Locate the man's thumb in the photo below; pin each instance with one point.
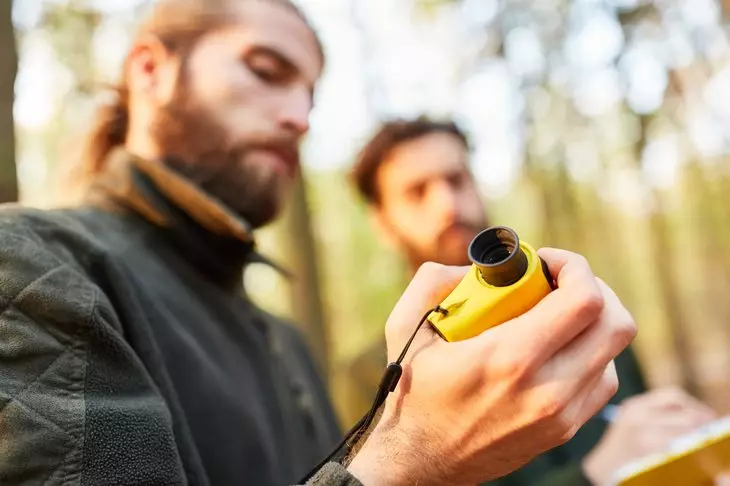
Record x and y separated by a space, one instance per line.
431 284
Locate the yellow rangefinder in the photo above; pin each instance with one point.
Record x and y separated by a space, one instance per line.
507 278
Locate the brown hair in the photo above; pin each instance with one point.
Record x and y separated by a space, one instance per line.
390 135
178 24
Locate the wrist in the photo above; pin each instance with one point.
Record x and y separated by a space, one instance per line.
375 463
386 458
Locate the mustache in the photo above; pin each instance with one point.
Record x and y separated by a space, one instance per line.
457 225
287 146
213 163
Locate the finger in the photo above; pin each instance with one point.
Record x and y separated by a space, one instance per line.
669 402
674 424
597 394
566 267
723 479
564 313
431 284
700 412
588 355
675 399
588 402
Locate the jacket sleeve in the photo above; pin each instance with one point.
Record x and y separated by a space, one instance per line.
333 474
76 406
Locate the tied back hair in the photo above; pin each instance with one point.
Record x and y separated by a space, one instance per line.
178 24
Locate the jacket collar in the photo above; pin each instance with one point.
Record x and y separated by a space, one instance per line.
209 234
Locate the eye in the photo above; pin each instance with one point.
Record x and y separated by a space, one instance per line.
458 180
416 192
268 69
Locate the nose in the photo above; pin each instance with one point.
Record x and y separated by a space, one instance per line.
445 202
295 112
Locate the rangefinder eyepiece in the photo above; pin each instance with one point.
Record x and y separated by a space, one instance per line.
497 254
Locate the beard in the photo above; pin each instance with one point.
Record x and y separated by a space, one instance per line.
200 150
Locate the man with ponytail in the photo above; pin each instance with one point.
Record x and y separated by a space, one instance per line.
130 354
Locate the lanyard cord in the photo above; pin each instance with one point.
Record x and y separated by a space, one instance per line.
388 383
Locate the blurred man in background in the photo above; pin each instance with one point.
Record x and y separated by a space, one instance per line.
130 354
424 202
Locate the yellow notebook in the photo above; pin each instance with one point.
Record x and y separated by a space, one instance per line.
693 460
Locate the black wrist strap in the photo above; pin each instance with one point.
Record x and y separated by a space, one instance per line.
388 383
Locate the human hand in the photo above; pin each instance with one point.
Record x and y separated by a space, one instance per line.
723 479
471 411
645 424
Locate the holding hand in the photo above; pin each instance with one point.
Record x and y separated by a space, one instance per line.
644 425
471 411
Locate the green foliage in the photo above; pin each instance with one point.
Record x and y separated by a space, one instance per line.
8 71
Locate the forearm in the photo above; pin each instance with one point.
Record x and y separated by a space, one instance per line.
376 461
396 454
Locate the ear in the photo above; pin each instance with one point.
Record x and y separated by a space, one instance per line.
383 228
151 70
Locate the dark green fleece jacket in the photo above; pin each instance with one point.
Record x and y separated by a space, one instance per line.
130 355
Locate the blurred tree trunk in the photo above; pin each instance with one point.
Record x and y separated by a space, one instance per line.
569 210
539 177
561 225
661 251
608 258
8 71
720 189
725 4
706 207
301 259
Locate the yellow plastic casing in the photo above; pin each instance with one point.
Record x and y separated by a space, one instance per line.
475 306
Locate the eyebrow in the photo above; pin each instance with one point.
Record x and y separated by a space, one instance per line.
279 57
